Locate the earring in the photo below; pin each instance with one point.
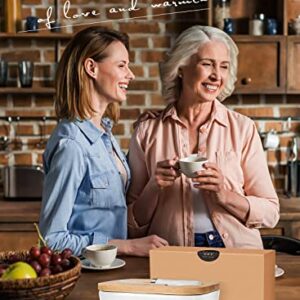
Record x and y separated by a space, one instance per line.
180 75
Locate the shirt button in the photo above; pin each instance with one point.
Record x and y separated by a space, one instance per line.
211 237
225 235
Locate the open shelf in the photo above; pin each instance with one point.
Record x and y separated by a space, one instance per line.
33 90
36 35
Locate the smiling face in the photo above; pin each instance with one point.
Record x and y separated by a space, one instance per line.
207 72
112 74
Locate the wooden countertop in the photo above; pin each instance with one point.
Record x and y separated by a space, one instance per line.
287 286
28 211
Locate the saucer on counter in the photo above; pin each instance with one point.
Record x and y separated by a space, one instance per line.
117 263
278 271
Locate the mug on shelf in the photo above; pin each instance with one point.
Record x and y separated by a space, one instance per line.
271 140
271 26
32 24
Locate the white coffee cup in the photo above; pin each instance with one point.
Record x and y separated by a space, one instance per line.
100 255
191 164
271 140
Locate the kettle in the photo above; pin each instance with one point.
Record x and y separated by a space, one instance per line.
292 183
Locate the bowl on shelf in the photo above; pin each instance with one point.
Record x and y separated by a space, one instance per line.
56 286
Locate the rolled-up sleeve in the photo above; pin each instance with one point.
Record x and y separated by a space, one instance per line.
258 186
64 174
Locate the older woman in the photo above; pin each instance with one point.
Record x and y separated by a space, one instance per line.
233 196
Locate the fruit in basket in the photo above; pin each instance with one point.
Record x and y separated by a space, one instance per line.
19 270
40 261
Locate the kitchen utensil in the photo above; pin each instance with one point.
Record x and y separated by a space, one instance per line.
292 186
23 182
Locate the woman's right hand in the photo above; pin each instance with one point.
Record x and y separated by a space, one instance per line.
166 172
139 246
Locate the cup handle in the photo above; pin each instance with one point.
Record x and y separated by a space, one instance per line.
83 253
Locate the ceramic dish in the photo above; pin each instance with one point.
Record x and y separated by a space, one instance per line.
117 263
278 272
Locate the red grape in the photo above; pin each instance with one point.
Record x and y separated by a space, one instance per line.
56 259
66 253
66 264
45 272
44 260
35 252
37 267
56 269
46 250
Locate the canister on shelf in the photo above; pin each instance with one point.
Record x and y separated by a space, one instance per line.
221 12
12 12
256 25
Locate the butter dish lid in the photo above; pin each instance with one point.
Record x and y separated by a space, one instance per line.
159 286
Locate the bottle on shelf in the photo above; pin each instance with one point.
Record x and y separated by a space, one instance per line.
221 12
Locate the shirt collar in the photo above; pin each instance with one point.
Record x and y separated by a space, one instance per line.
91 132
219 113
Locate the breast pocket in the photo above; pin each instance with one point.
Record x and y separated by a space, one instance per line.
230 164
101 190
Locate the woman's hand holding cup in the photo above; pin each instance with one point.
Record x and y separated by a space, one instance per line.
166 172
211 179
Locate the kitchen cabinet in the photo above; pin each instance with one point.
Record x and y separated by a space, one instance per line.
268 64
293 64
17 231
262 64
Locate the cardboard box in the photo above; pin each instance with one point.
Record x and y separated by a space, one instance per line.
244 274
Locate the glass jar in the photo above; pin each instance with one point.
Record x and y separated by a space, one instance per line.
221 12
256 25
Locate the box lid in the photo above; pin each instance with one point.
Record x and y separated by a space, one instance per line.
159 286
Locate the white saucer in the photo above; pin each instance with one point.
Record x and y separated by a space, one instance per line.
278 272
117 263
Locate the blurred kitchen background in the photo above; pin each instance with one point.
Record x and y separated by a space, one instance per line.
267 90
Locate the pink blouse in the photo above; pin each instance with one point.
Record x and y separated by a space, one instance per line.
228 139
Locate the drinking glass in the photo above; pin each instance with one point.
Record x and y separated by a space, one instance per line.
3 72
26 73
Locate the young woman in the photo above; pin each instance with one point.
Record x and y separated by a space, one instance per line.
87 175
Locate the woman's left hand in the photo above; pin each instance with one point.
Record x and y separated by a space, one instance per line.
211 179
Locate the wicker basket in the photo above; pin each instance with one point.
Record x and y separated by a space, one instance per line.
49 287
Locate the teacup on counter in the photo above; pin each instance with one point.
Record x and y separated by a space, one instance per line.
100 255
191 164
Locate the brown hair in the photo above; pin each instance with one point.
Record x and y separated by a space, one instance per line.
72 82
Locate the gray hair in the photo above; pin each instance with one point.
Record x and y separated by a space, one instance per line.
185 46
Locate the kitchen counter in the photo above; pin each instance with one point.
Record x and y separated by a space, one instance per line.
18 232
28 211
287 286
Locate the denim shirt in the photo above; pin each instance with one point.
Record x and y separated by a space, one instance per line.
84 195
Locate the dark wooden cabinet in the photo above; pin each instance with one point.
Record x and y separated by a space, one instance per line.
261 64
293 64
267 64
17 218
